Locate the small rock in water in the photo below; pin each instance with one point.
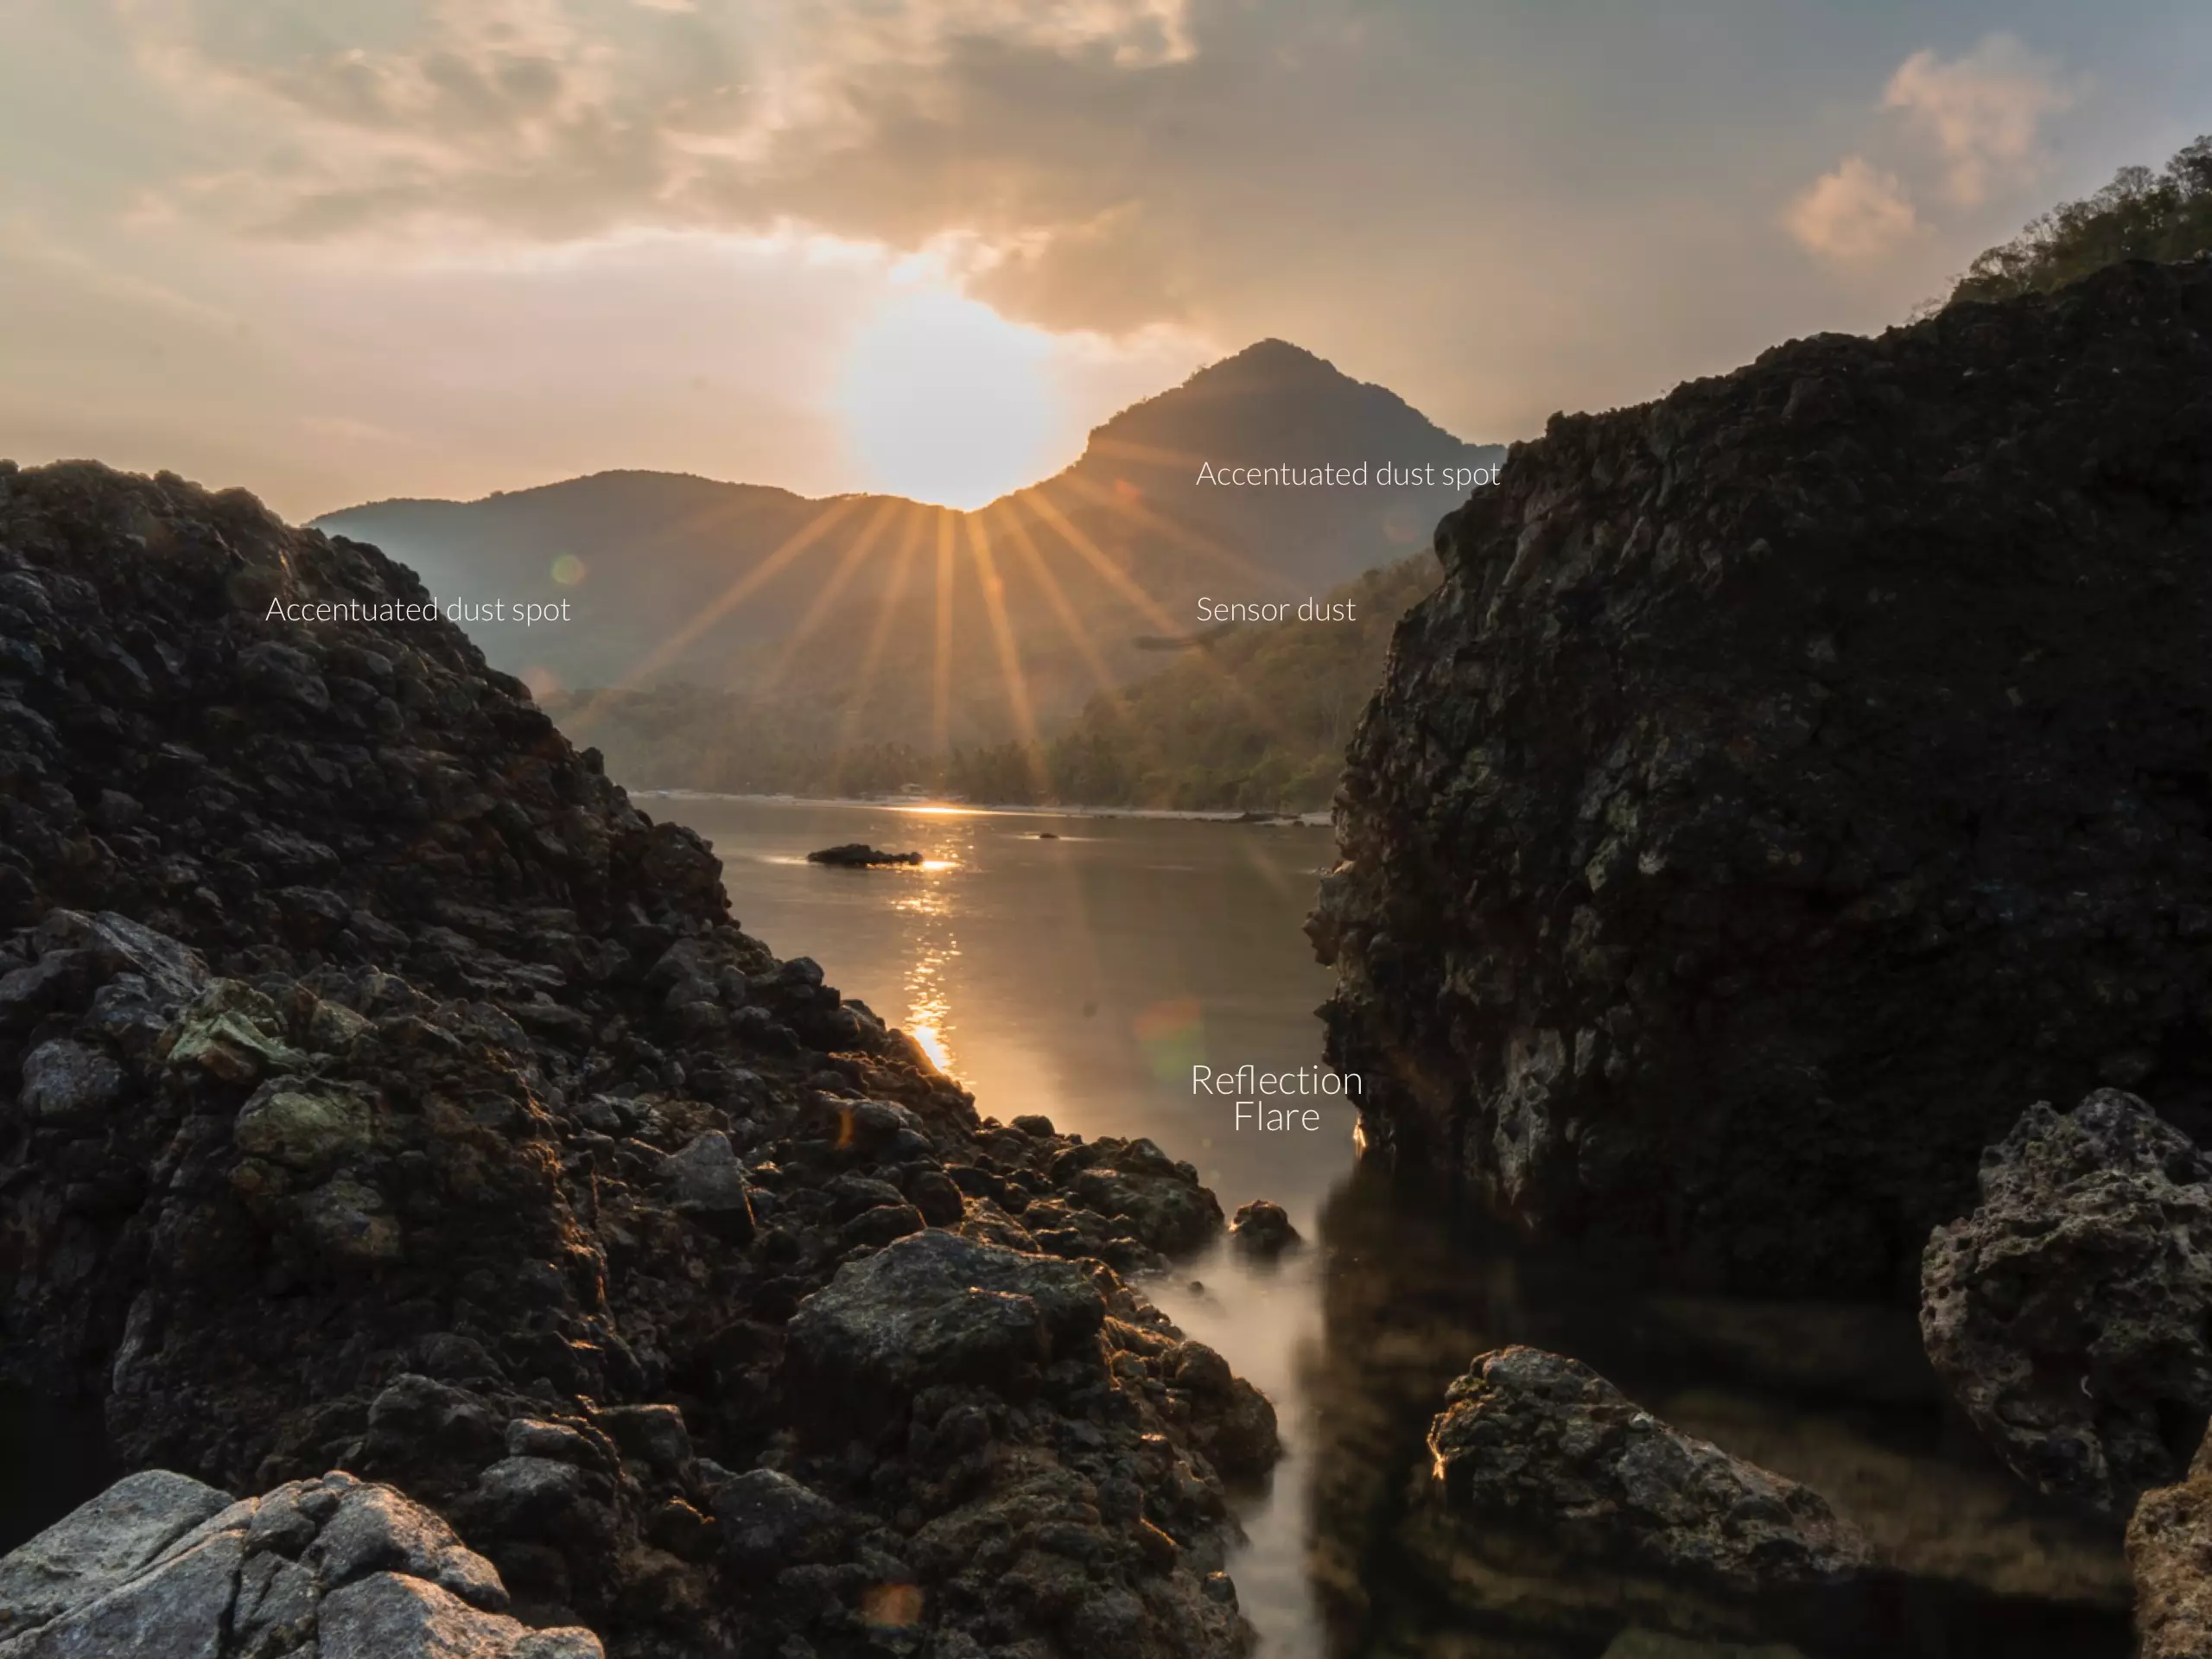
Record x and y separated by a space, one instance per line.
1263 1227
859 855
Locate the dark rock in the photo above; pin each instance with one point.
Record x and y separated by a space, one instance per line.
1263 1227
1136 1182
1539 1462
65 1082
1780 789
2071 1313
934 1308
858 856
708 1184
770 1522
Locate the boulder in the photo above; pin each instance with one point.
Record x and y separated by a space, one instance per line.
161 1567
100 1545
770 1521
1262 1229
1789 779
65 1082
1161 1199
936 1307
708 1184
2069 1314
1539 1449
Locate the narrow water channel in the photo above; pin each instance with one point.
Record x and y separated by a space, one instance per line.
1080 966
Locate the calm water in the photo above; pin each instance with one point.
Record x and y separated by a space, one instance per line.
1083 975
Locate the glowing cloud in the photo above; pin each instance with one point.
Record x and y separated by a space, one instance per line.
1984 111
1853 212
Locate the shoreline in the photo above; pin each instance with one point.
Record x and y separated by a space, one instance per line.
1300 820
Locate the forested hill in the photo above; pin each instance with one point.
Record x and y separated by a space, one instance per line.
1254 719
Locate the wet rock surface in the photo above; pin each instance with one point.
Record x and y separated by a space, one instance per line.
380 1091
2070 1314
1791 778
161 1566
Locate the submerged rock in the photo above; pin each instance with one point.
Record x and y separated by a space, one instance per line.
161 1566
2071 1313
859 855
1792 777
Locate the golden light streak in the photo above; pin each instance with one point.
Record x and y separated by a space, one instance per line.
941 679
1151 453
1149 607
848 567
1116 578
1196 541
1017 686
1055 597
727 600
886 614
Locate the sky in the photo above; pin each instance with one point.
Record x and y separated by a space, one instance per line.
344 250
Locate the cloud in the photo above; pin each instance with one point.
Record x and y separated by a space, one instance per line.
1984 111
561 118
1853 212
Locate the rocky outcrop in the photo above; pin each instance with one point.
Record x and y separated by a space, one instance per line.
161 1567
1789 779
2169 1552
380 1091
2071 1313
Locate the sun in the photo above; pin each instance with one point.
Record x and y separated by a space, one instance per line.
943 400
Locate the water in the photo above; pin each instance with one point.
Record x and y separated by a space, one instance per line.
1083 975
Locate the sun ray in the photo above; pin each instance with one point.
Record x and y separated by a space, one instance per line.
1055 597
941 677
886 614
1197 541
1149 607
727 600
1151 454
848 567
1017 685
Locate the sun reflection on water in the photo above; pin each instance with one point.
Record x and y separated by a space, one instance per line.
929 1007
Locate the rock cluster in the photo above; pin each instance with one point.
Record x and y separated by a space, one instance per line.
161 1567
2071 1313
380 1091
1789 779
